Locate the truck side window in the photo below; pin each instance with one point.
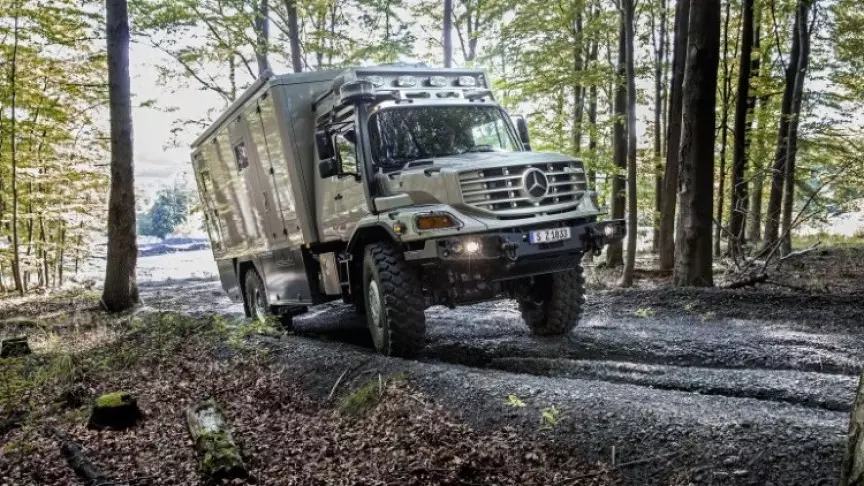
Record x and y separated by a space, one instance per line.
240 156
347 154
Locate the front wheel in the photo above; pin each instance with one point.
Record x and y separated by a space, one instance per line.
394 302
553 304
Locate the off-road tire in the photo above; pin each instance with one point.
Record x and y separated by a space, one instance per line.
555 304
254 288
401 327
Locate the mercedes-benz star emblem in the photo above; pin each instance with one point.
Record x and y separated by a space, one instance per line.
535 184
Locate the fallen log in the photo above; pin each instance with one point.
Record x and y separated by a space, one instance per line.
14 347
746 281
852 471
15 420
78 460
218 456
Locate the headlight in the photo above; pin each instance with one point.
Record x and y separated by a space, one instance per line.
472 247
609 230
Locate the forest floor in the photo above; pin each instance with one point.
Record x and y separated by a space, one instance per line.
658 385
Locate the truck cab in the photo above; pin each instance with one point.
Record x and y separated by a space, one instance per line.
425 192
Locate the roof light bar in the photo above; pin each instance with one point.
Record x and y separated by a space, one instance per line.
467 81
406 81
376 80
438 81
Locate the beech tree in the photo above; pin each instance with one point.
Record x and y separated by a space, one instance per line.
744 106
668 204
693 257
632 220
121 290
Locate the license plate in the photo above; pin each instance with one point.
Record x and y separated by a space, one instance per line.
549 236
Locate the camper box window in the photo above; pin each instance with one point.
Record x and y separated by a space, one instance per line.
240 156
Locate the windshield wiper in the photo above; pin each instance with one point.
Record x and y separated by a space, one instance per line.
481 148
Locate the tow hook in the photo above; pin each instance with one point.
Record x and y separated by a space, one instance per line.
508 250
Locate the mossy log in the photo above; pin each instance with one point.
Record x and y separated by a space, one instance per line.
852 472
117 410
14 347
217 453
78 461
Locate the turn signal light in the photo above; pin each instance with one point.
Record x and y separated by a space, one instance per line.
435 221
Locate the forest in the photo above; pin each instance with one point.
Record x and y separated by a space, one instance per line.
612 83
720 342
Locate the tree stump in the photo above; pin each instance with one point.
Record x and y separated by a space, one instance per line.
852 473
217 453
118 410
14 347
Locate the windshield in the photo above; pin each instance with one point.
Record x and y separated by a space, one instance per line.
402 134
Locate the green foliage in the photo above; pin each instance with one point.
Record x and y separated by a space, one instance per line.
550 417
170 210
363 399
52 63
514 401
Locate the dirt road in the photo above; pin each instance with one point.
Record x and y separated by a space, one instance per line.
700 386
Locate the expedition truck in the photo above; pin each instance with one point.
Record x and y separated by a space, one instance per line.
394 188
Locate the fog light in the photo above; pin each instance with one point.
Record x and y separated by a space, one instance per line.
472 247
435 221
609 230
456 247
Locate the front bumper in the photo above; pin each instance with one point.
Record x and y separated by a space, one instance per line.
504 254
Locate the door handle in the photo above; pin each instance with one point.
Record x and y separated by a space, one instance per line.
337 197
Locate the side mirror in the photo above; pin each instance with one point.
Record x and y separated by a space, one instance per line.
324 143
522 130
328 167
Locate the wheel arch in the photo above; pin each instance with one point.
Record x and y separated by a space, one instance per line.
373 232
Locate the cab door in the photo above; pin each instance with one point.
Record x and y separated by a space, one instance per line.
341 200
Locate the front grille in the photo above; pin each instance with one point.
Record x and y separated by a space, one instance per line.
503 192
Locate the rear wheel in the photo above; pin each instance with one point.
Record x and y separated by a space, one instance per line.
256 300
394 302
553 305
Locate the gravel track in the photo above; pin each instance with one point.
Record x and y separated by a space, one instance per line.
714 387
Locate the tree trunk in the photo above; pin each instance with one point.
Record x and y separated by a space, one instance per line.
673 127
578 90
754 232
778 169
724 130
748 68
632 221
615 251
13 67
592 121
262 34
693 250
659 103
447 33
294 36
120 290
797 100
